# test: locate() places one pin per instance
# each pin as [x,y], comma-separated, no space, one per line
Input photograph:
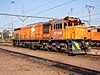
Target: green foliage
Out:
[6,34]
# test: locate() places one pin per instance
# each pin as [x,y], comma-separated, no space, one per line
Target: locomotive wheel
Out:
[46,47]
[29,46]
[97,44]
[55,49]
[65,48]
[33,47]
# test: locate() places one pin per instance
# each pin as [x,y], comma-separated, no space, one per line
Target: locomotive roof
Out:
[35,23]
[17,29]
[59,21]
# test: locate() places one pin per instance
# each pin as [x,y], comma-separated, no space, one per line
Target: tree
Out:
[6,35]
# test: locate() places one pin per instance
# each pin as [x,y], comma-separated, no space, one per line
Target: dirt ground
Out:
[81,61]
[13,65]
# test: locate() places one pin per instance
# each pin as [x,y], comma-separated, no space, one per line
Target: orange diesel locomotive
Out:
[94,35]
[64,35]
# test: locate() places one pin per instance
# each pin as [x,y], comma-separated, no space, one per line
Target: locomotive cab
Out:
[73,21]
[69,28]
[72,30]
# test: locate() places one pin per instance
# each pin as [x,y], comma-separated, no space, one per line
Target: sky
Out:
[46,8]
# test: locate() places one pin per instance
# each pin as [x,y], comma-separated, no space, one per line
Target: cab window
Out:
[58,26]
[75,24]
[69,23]
[65,25]
[54,26]
[98,30]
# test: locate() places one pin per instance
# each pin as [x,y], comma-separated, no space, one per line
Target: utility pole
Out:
[70,12]
[12,2]
[22,18]
[89,10]
[22,11]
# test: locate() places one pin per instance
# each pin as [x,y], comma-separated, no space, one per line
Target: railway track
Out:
[74,70]
[98,48]
[10,45]
[90,55]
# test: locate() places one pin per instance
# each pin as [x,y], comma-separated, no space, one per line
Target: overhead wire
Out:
[93,11]
[26,16]
[34,9]
[54,7]
[49,2]
[90,15]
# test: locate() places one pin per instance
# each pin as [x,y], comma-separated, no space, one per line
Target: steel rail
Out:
[70,68]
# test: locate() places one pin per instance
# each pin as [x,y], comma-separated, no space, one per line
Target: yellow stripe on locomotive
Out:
[76,45]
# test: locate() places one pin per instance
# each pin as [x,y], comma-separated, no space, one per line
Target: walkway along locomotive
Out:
[64,35]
